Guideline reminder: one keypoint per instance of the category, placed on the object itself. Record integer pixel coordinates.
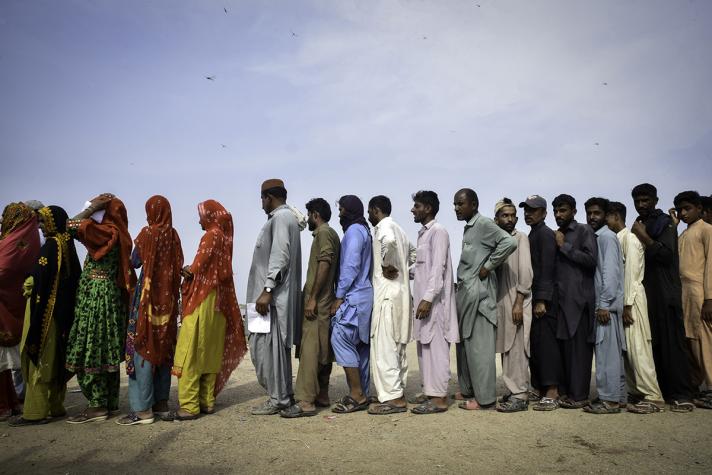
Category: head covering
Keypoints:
(272, 183)
(100, 238)
(353, 212)
(503, 203)
(212, 268)
(533, 201)
(56, 278)
(19, 250)
(34, 204)
(159, 248)
(13, 216)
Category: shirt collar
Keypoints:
(318, 228)
(385, 220)
(601, 230)
(277, 209)
(426, 227)
(472, 220)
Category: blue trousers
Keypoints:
(351, 352)
(148, 388)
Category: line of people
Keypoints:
(638, 300)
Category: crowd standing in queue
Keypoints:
(638, 300)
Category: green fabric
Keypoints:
(101, 390)
(325, 247)
(96, 341)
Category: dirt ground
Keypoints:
(232, 440)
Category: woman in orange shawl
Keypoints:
(211, 342)
(19, 250)
(96, 340)
(153, 321)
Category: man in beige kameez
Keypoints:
(695, 248)
(641, 378)
(514, 312)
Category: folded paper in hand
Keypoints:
(257, 323)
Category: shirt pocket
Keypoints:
(422, 253)
(260, 238)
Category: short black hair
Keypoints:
(321, 206)
(644, 189)
(602, 203)
(564, 200)
(471, 195)
(381, 202)
(616, 207)
(277, 192)
(689, 196)
(428, 198)
(706, 202)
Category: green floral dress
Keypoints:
(96, 341)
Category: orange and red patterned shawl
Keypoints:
(100, 238)
(160, 249)
(212, 270)
(19, 250)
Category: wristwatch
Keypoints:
(268, 290)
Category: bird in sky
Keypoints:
(225, 10)
(210, 78)
(605, 84)
(294, 34)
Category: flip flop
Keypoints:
(428, 408)
(601, 407)
(19, 421)
(132, 419)
(567, 403)
(703, 403)
(347, 404)
(473, 405)
(546, 404)
(294, 411)
(190, 417)
(384, 408)
(419, 399)
(682, 406)
(644, 407)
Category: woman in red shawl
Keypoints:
(211, 342)
(96, 340)
(19, 250)
(153, 321)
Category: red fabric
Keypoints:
(160, 249)
(212, 270)
(100, 238)
(8, 397)
(19, 250)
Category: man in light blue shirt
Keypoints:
(608, 325)
(351, 312)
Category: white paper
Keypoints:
(257, 323)
(97, 216)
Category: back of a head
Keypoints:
(381, 202)
(428, 198)
(321, 206)
(616, 207)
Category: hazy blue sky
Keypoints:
(359, 97)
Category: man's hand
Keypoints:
(603, 316)
(310, 309)
(484, 273)
(390, 272)
(707, 311)
(673, 215)
(560, 238)
(423, 310)
(100, 201)
(539, 309)
(186, 273)
(641, 233)
(518, 312)
(628, 319)
(263, 302)
(335, 306)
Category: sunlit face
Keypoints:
(420, 211)
(595, 217)
(564, 214)
(507, 218)
(464, 208)
(688, 212)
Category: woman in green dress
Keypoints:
(96, 340)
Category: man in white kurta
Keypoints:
(391, 322)
(514, 312)
(641, 378)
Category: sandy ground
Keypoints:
(232, 440)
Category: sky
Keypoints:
(337, 97)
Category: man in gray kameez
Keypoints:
(274, 285)
(610, 335)
(484, 247)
